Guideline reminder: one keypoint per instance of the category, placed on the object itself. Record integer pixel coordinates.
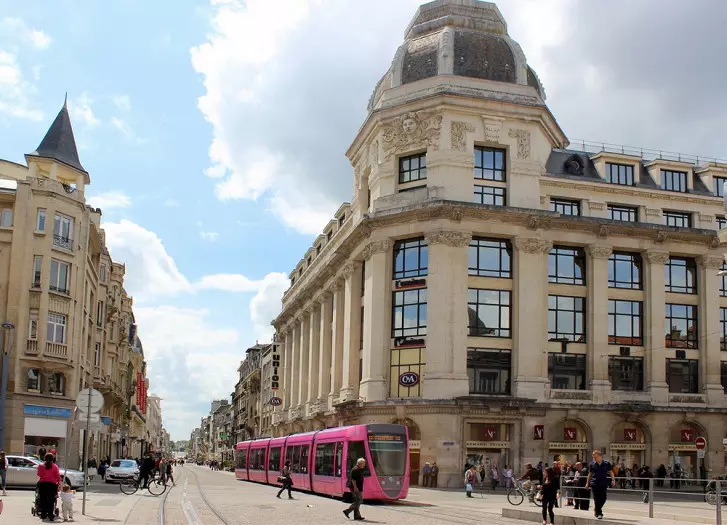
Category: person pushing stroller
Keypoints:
(49, 482)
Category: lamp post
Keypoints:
(8, 330)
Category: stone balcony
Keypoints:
(56, 350)
(31, 347)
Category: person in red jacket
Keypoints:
(49, 482)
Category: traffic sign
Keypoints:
(95, 402)
(701, 443)
(93, 418)
(700, 453)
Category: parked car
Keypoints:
(23, 472)
(121, 469)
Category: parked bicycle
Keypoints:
(155, 486)
(516, 495)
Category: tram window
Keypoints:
(324, 459)
(339, 458)
(274, 459)
(259, 462)
(242, 459)
(304, 459)
(296, 460)
(356, 449)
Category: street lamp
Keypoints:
(8, 330)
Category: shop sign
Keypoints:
(492, 433)
(628, 446)
(276, 401)
(539, 432)
(682, 447)
(570, 434)
(488, 444)
(415, 444)
(106, 420)
(275, 385)
(687, 435)
(409, 379)
(567, 446)
(629, 434)
(38, 410)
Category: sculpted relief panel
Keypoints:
(458, 134)
(523, 142)
(409, 131)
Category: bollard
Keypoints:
(718, 503)
(651, 498)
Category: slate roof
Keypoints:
(59, 143)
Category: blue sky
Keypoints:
(215, 132)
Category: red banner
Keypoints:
(570, 434)
(687, 435)
(492, 433)
(629, 434)
(539, 432)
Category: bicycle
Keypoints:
(155, 486)
(517, 494)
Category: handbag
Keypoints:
(539, 496)
(281, 479)
(468, 487)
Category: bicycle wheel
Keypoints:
(129, 486)
(157, 487)
(711, 498)
(515, 497)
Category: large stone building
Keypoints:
(65, 297)
(507, 297)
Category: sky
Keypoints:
(215, 131)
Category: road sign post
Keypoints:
(90, 402)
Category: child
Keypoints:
(67, 503)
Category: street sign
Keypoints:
(701, 443)
(95, 402)
(700, 453)
(93, 418)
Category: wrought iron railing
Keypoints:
(58, 289)
(645, 153)
(63, 242)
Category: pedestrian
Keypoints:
(286, 480)
(677, 476)
(170, 473)
(92, 468)
(145, 470)
(495, 480)
(600, 477)
(551, 483)
(660, 475)
(49, 481)
(102, 469)
(582, 495)
(508, 478)
(356, 484)
(646, 476)
(41, 453)
(3, 470)
(67, 503)
(433, 474)
(470, 478)
(426, 474)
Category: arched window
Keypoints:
(57, 383)
(33, 381)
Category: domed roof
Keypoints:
(466, 38)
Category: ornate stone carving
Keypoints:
(533, 223)
(356, 179)
(459, 132)
(324, 296)
(711, 262)
(653, 212)
(532, 245)
(566, 394)
(348, 270)
(603, 230)
(446, 48)
(523, 142)
(492, 128)
(376, 247)
(661, 236)
(657, 257)
(687, 399)
(456, 215)
(714, 242)
(334, 286)
(595, 205)
(599, 252)
(449, 238)
(411, 130)
(374, 154)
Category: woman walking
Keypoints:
(49, 481)
(551, 482)
(495, 477)
(470, 478)
(3, 470)
(285, 480)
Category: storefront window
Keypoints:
(33, 382)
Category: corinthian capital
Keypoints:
(532, 245)
(711, 262)
(599, 252)
(348, 269)
(449, 238)
(655, 257)
(375, 247)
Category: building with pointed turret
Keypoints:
(507, 296)
(73, 320)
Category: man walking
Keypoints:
(356, 484)
(426, 473)
(600, 477)
(433, 476)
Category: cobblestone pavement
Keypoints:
(202, 497)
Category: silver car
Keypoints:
(23, 472)
(121, 469)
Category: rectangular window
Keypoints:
(718, 186)
(567, 318)
(674, 180)
(40, 221)
(490, 164)
(489, 195)
(410, 313)
(37, 266)
(721, 222)
(620, 174)
(63, 232)
(488, 312)
(567, 371)
(6, 217)
(411, 258)
(489, 371)
(33, 324)
(724, 376)
(624, 271)
(681, 326)
(723, 329)
(102, 273)
(625, 323)
(412, 168)
(678, 219)
(623, 213)
(682, 376)
(565, 207)
(56, 329)
(99, 314)
(59, 274)
(97, 355)
(680, 275)
(490, 258)
(405, 362)
(325, 453)
(626, 373)
(274, 460)
(304, 459)
(567, 265)
(339, 458)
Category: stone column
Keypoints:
(597, 321)
(446, 357)
(530, 316)
(303, 361)
(376, 324)
(709, 329)
(295, 365)
(337, 336)
(655, 337)
(313, 349)
(324, 354)
(351, 331)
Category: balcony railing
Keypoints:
(63, 242)
(31, 348)
(54, 288)
(56, 350)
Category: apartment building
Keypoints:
(507, 295)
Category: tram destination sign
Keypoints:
(386, 437)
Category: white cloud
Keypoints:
(15, 90)
(266, 304)
(123, 102)
(20, 30)
(81, 110)
(123, 127)
(209, 236)
(110, 200)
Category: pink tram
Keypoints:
(320, 461)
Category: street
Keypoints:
(203, 497)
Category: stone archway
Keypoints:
(630, 444)
(683, 458)
(569, 439)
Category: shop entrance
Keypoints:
(415, 437)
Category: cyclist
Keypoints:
(530, 476)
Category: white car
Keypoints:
(23, 472)
(121, 469)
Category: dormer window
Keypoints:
(310, 259)
(674, 180)
(718, 185)
(329, 234)
(622, 174)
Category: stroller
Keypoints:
(35, 509)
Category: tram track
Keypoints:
(190, 513)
